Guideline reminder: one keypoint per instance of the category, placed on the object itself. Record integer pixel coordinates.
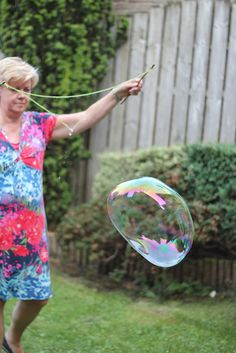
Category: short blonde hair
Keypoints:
(15, 69)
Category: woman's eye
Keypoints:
(26, 90)
(19, 89)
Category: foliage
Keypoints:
(162, 163)
(89, 224)
(202, 174)
(212, 195)
(71, 42)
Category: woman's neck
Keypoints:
(10, 126)
(9, 119)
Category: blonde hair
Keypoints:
(14, 69)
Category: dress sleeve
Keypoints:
(49, 127)
(47, 123)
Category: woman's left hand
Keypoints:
(128, 88)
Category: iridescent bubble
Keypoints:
(153, 218)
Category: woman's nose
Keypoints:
(22, 94)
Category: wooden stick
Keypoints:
(141, 78)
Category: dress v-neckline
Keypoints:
(12, 144)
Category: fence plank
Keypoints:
(228, 273)
(149, 96)
(216, 72)
(183, 72)
(98, 139)
(213, 272)
(199, 74)
(234, 274)
(120, 74)
(228, 126)
(207, 271)
(167, 74)
(138, 47)
(220, 273)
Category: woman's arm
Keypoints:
(75, 123)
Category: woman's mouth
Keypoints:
(20, 103)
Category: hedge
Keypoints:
(203, 174)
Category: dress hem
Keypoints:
(19, 298)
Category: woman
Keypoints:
(24, 269)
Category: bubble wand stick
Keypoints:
(141, 78)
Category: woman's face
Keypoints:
(13, 102)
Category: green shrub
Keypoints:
(165, 164)
(211, 192)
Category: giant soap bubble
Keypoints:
(153, 218)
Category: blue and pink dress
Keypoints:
(24, 266)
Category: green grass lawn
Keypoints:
(83, 319)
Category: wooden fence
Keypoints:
(217, 274)
(191, 95)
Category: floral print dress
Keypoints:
(24, 267)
